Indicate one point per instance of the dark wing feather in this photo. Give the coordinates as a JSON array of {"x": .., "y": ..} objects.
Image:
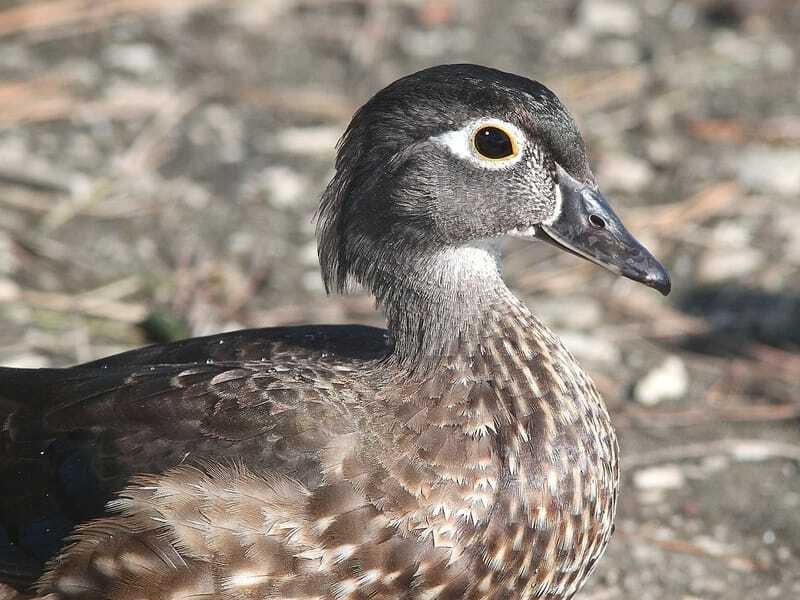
[{"x": 71, "y": 437}]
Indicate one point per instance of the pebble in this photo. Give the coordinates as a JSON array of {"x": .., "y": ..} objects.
[
  {"x": 720, "y": 264},
  {"x": 664, "y": 477},
  {"x": 625, "y": 174},
  {"x": 590, "y": 348},
  {"x": 752, "y": 451},
  {"x": 789, "y": 225},
  {"x": 610, "y": 17},
  {"x": 8, "y": 256},
  {"x": 315, "y": 141},
  {"x": 667, "y": 381},
  {"x": 284, "y": 186},
  {"x": 730, "y": 254},
  {"x": 9, "y": 291},
  {"x": 309, "y": 255},
  {"x": 134, "y": 58},
  {"x": 573, "y": 42},
  {"x": 223, "y": 129},
  {"x": 574, "y": 312},
  {"x": 312, "y": 281},
  {"x": 771, "y": 170},
  {"x": 622, "y": 52},
  {"x": 663, "y": 150},
  {"x": 28, "y": 360}
]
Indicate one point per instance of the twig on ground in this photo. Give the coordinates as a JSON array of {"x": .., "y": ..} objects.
[
  {"x": 740, "y": 449},
  {"x": 38, "y": 17},
  {"x": 596, "y": 91},
  {"x": 72, "y": 206},
  {"x": 732, "y": 561},
  {"x": 313, "y": 102},
  {"x": 699, "y": 416},
  {"x": 708, "y": 202},
  {"x": 36, "y": 179},
  {"x": 147, "y": 151},
  {"x": 48, "y": 99},
  {"x": 124, "y": 312},
  {"x": 777, "y": 130}
]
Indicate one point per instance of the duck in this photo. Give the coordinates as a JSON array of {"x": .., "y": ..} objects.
[{"x": 459, "y": 453}]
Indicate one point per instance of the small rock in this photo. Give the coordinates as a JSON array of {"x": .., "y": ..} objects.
[
  {"x": 683, "y": 16},
  {"x": 733, "y": 234},
  {"x": 663, "y": 150},
  {"x": 8, "y": 258},
  {"x": 312, "y": 281},
  {"x": 309, "y": 255},
  {"x": 314, "y": 141},
  {"x": 573, "y": 312},
  {"x": 9, "y": 291},
  {"x": 622, "y": 52},
  {"x": 656, "y": 8},
  {"x": 572, "y": 43},
  {"x": 284, "y": 186},
  {"x": 436, "y": 42},
  {"x": 664, "y": 477},
  {"x": 243, "y": 243},
  {"x": 625, "y": 174},
  {"x": 771, "y": 170},
  {"x": 668, "y": 381},
  {"x": 134, "y": 58},
  {"x": 221, "y": 128},
  {"x": 736, "y": 48},
  {"x": 779, "y": 56},
  {"x": 258, "y": 16},
  {"x": 610, "y": 17},
  {"x": 730, "y": 254},
  {"x": 719, "y": 264},
  {"x": 789, "y": 225},
  {"x": 29, "y": 360},
  {"x": 752, "y": 451},
  {"x": 591, "y": 348}
]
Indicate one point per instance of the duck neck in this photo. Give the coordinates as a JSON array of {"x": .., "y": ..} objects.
[{"x": 437, "y": 302}]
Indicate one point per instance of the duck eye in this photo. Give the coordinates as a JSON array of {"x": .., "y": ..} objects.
[{"x": 493, "y": 143}]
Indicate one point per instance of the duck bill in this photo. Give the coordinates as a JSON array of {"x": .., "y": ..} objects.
[{"x": 587, "y": 226}]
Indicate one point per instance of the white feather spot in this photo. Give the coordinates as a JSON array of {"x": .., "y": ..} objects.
[
  {"x": 244, "y": 579},
  {"x": 556, "y": 209}
]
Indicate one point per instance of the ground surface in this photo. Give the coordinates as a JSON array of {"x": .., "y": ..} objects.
[{"x": 160, "y": 161}]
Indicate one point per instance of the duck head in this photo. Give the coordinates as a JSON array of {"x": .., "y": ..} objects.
[{"x": 456, "y": 155}]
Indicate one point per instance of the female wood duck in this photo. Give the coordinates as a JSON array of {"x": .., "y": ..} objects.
[{"x": 461, "y": 453}]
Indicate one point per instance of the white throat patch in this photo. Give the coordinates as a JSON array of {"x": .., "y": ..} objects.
[{"x": 477, "y": 261}]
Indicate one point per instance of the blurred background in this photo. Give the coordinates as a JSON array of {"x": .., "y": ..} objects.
[{"x": 160, "y": 162}]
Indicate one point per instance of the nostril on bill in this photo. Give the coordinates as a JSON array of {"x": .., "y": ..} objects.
[{"x": 597, "y": 222}]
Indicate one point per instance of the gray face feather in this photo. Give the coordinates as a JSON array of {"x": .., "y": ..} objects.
[{"x": 399, "y": 193}]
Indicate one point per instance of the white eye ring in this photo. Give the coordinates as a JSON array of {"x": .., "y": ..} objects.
[{"x": 460, "y": 143}]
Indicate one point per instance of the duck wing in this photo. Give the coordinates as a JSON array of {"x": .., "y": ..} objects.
[{"x": 71, "y": 437}]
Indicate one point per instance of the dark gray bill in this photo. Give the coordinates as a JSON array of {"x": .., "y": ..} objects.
[{"x": 587, "y": 226}]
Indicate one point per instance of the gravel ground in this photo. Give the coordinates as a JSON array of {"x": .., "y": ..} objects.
[{"x": 160, "y": 162}]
